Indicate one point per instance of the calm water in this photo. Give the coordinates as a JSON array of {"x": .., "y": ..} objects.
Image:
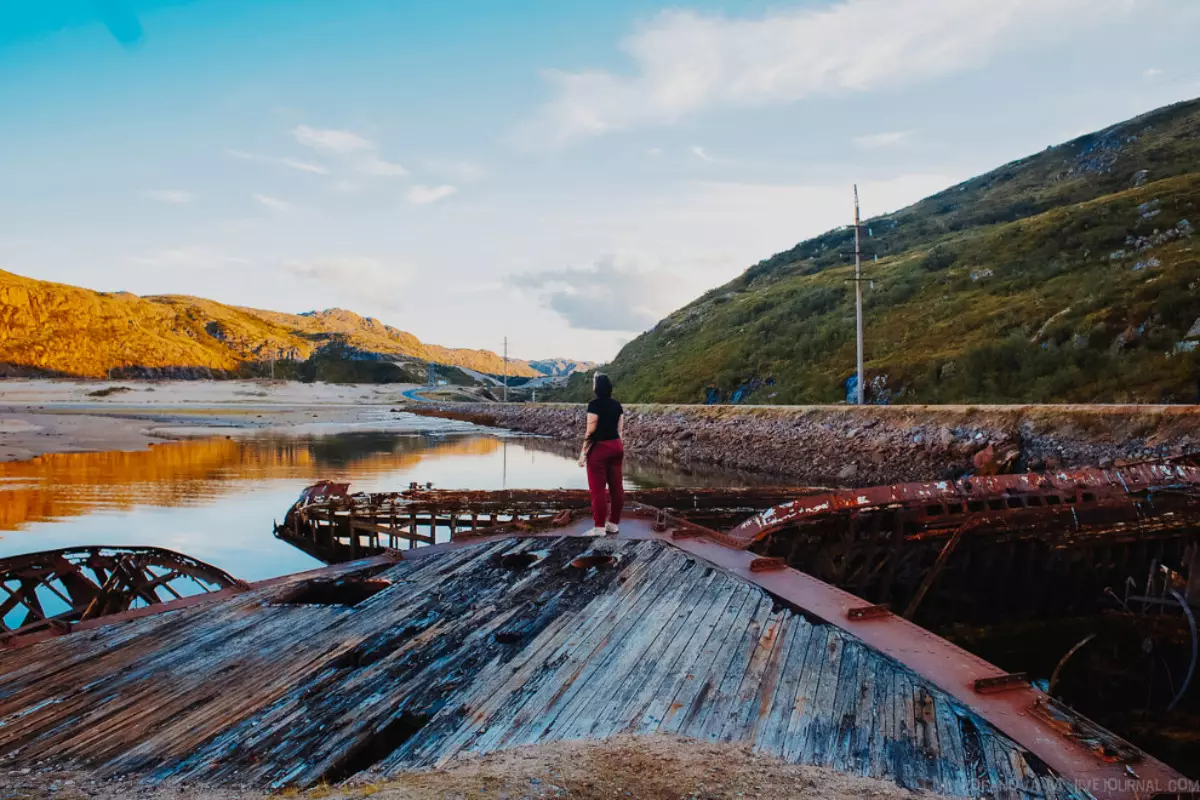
[{"x": 216, "y": 499}]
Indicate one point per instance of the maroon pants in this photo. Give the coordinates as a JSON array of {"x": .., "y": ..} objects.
[{"x": 604, "y": 466}]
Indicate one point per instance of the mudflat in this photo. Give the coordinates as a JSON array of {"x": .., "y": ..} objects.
[{"x": 59, "y": 416}]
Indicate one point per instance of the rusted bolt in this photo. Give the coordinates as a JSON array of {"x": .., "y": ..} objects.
[{"x": 868, "y": 612}]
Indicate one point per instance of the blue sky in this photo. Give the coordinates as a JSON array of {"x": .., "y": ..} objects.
[{"x": 563, "y": 173}]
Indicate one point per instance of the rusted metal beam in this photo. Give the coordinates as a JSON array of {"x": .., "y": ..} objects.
[
  {"x": 936, "y": 569},
  {"x": 943, "y": 505},
  {"x": 1097, "y": 760},
  {"x": 1002, "y": 683}
]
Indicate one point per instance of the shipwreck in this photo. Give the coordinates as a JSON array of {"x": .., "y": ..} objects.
[{"x": 784, "y": 619}]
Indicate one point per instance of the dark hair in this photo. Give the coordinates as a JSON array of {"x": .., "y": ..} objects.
[{"x": 603, "y": 386}]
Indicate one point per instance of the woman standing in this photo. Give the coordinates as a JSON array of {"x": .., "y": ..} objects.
[{"x": 603, "y": 453}]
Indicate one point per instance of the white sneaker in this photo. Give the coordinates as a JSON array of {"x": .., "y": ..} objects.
[
  {"x": 611, "y": 527},
  {"x": 595, "y": 532}
]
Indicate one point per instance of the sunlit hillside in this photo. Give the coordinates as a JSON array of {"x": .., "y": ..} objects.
[{"x": 52, "y": 328}]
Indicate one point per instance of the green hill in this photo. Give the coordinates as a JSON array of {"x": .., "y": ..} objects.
[{"x": 1071, "y": 275}]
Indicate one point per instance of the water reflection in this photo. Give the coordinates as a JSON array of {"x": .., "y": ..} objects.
[{"x": 215, "y": 499}]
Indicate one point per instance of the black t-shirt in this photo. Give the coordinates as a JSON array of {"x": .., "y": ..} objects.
[{"x": 609, "y": 411}]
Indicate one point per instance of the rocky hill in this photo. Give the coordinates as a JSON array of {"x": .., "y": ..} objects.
[
  {"x": 1071, "y": 275},
  {"x": 561, "y": 367},
  {"x": 55, "y": 329}
]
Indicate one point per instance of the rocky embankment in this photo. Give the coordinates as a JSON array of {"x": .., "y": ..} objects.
[{"x": 850, "y": 446}]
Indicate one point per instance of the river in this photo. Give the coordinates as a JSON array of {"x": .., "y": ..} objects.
[{"x": 216, "y": 498}]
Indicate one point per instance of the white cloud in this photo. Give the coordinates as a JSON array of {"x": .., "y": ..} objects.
[
  {"x": 365, "y": 282},
  {"x": 358, "y": 153},
  {"x": 345, "y": 186},
  {"x": 456, "y": 169},
  {"x": 273, "y": 202},
  {"x": 874, "y": 141},
  {"x": 191, "y": 257},
  {"x": 424, "y": 195},
  {"x": 331, "y": 140},
  {"x": 303, "y": 166},
  {"x": 377, "y": 166},
  {"x": 676, "y": 243},
  {"x": 699, "y": 153},
  {"x": 177, "y": 196},
  {"x": 290, "y": 163},
  {"x": 618, "y": 293},
  {"x": 685, "y": 62},
  {"x": 654, "y": 151},
  {"x": 1153, "y": 72}
]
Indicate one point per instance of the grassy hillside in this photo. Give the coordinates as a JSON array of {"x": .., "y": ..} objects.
[
  {"x": 1072, "y": 275},
  {"x": 51, "y": 328}
]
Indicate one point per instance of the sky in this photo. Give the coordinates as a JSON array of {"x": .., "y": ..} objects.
[{"x": 557, "y": 172}]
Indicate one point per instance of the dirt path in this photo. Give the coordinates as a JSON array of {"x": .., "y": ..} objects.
[{"x": 642, "y": 768}]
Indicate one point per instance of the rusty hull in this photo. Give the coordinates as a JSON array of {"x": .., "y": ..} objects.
[
  {"x": 94, "y": 582},
  {"x": 504, "y": 640}
]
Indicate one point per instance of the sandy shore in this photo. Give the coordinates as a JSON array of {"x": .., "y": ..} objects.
[
  {"x": 640, "y": 767},
  {"x": 58, "y": 416}
]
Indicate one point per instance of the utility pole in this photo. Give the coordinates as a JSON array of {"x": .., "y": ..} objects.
[
  {"x": 506, "y": 369},
  {"x": 858, "y": 291}
]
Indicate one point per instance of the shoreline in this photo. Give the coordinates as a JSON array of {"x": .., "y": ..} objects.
[
  {"x": 40, "y": 417},
  {"x": 871, "y": 445},
  {"x": 807, "y": 445}
]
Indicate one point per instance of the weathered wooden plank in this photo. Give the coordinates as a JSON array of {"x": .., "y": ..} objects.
[
  {"x": 884, "y": 736},
  {"x": 616, "y": 715},
  {"x": 999, "y": 765},
  {"x": 820, "y": 730},
  {"x": 623, "y": 658},
  {"x": 595, "y": 675},
  {"x": 652, "y": 702},
  {"x": 263, "y": 725},
  {"x": 531, "y": 683},
  {"x": 727, "y": 627},
  {"x": 904, "y": 752},
  {"x": 801, "y": 711},
  {"x": 837, "y": 752},
  {"x": 866, "y": 715},
  {"x": 761, "y": 677},
  {"x": 772, "y": 728},
  {"x": 953, "y": 770},
  {"x": 535, "y": 717},
  {"x": 717, "y": 691},
  {"x": 925, "y": 730}
]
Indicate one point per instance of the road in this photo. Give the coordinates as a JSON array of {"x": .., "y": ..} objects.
[{"x": 411, "y": 394}]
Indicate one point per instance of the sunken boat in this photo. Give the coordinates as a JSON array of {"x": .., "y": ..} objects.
[{"x": 451, "y": 623}]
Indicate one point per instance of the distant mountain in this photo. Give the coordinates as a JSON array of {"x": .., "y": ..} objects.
[
  {"x": 55, "y": 329},
  {"x": 1071, "y": 275},
  {"x": 561, "y": 367}
]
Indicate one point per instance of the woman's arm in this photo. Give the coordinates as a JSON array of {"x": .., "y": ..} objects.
[
  {"x": 592, "y": 421},
  {"x": 621, "y": 427}
]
